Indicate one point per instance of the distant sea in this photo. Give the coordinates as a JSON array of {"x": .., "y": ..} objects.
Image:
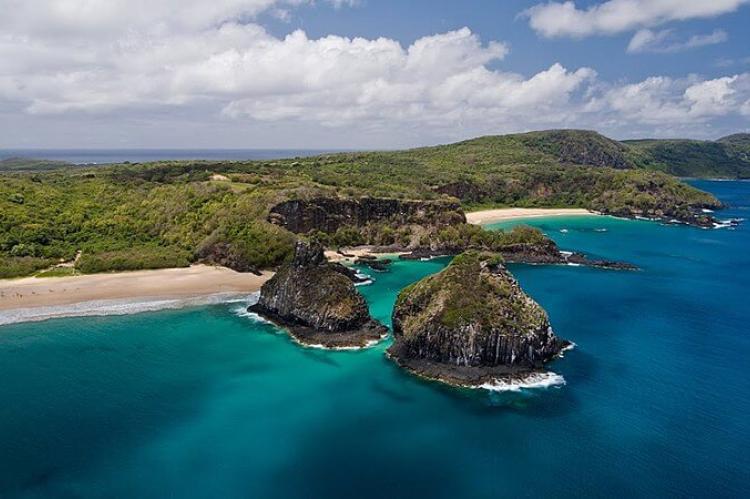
[
  {"x": 106, "y": 156},
  {"x": 209, "y": 401}
]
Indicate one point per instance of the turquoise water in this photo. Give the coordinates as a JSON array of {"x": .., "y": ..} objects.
[{"x": 204, "y": 402}]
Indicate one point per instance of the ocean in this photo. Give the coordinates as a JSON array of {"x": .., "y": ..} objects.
[
  {"x": 210, "y": 402},
  {"x": 108, "y": 156}
]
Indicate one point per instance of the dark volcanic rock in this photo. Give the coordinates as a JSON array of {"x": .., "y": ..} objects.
[
  {"x": 329, "y": 214},
  {"x": 545, "y": 252},
  {"x": 470, "y": 324},
  {"x": 317, "y": 302},
  {"x": 374, "y": 264}
]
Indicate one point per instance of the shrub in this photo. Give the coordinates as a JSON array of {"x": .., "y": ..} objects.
[
  {"x": 137, "y": 258},
  {"x": 18, "y": 267}
]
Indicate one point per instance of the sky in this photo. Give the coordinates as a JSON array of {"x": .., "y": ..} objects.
[{"x": 366, "y": 74}]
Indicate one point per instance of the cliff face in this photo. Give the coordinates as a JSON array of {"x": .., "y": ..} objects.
[
  {"x": 317, "y": 302},
  {"x": 470, "y": 324},
  {"x": 330, "y": 214}
]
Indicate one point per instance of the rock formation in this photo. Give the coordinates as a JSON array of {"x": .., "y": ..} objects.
[
  {"x": 317, "y": 302},
  {"x": 470, "y": 324},
  {"x": 329, "y": 214}
]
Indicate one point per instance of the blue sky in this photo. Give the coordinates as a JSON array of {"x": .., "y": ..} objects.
[
  {"x": 366, "y": 73},
  {"x": 408, "y": 21}
]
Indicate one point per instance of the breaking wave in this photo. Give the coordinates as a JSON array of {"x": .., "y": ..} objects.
[
  {"x": 534, "y": 380},
  {"x": 115, "y": 307}
]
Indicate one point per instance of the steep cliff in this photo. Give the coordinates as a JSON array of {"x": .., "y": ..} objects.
[
  {"x": 317, "y": 302},
  {"x": 329, "y": 214},
  {"x": 470, "y": 324}
]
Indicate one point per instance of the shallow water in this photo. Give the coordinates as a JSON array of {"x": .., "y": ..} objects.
[{"x": 206, "y": 402}]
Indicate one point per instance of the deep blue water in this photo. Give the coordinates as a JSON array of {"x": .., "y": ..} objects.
[
  {"x": 105, "y": 156},
  {"x": 203, "y": 402}
]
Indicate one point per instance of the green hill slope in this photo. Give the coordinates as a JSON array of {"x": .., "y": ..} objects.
[
  {"x": 725, "y": 158},
  {"x": 30, "y": 164},
  {"x": 125, "y": 217}
]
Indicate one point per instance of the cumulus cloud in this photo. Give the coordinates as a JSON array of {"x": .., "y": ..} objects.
[
  {"x": 663, "y": 100},
  {"x": 212, "y": 63},
  {"x": 556, "y": 19},
  {"x": 663, "y": 41}
]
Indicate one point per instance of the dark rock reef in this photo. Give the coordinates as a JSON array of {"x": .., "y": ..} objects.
[
  {"x": 522, "y": 245},
  {"x": 548, "y": 253},
  {"x": 317, "y": 302},
  {"x": 471, "y": 324},
  {"x": 329, "y": 214}
]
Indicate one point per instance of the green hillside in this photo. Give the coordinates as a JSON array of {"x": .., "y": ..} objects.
[
  {"x": 695, "y": 158},
  {"x": 163, "y": 214},
  {"x": 30, "y": 164}
]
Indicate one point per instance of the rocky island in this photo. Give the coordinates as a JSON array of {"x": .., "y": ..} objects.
[
  {"x": 316, "y": 301},
  {"x": 472, "y": 324}
]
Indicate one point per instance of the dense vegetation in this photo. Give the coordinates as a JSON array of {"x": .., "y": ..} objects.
[
  {"x": 172, "y": 213},
  {"x": 30, "y": 164},
  {"x": 728, "y": 157},
  {"x": 470, "y": 296}
]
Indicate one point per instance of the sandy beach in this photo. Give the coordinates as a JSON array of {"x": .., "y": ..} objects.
[
  {"x": 505, "y": 214},
  {"x": 358, "y": 252},
  {"x": 194, "y": 281},
  {"x": 198, "y": 280}
]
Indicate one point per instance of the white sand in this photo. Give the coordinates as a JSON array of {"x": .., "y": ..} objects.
[
  {"x": 198, "y": 280},
  {"x": 506, "y": 214},
  {"x": 358, "y": 252}
]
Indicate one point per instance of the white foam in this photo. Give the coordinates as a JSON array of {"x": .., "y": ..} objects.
[
  {"x": 600, "y": 230},
  {"x": 564, "y": 231},
  {"x": 706, "y": 210},
  {"x": 116, "y": 307},
  {"x": 566, "y": 349},
  {"x": 368, "y": 279},
  {"x": 533, "y": 380},
  {"x": 722, "y": 224}
]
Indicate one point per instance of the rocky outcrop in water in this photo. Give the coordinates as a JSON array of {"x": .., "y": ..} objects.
[
  {"x": 470, "y": 324},
  {"x": 317, "y": 302},
  {"x": 329, "y": 214},
  {"x": 542, "y": 252},
  {"x": 548, "y": 253}
]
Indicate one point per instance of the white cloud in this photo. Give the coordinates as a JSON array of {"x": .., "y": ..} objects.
[
  {"x": 663, "y": 100},
  {"x": 556, "y": 19},
  {"x": 211, "y": 65},
  {"x": 663, "y": 41},
  {"x": 106, "y": 18}
]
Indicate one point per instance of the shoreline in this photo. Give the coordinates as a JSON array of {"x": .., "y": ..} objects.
[
  {"x": 126, "y": 287},
  {"x": 41, "y": 298},
  {"x": 484, "y": 217}
]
